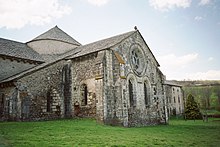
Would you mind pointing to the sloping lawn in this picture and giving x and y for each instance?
(86, 132)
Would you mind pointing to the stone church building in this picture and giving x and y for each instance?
(115, 80)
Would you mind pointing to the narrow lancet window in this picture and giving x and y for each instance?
(145, 94)
(49, 101)
(84, 95)
(131, 96)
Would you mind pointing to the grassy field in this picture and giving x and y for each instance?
(86, 132)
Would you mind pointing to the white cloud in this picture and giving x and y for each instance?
(210, 59)
(172, 61)
(165, 5)
(198, 18)
(209, 75)
(98, 2)
(174, 66)
(18, 13)
(204, 2)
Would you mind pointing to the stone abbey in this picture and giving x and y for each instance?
(116, 80)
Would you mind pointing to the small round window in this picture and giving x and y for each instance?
(137, 59)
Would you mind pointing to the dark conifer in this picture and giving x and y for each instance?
(192, 110)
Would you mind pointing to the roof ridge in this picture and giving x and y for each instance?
(12, 40)
(67, 34)
(112, 37)
(56, 33)
(102, 44)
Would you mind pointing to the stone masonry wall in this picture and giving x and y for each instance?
(41, 93)
(87, 72)
(110, 75)
(8, 104)
(175, 100)
(118, 107)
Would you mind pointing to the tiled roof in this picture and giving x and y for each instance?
(18, 50)
(172, 83)
(49, 57)
(102, 44)
(76, 52)
(36, 68)
(56, 33)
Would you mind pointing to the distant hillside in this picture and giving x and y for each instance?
(206, 93)
(198, 83)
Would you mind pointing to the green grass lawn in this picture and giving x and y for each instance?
(86, 132)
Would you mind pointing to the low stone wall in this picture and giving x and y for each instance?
(137, 117)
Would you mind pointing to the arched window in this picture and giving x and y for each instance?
(131, 91)
(146, 95)
(84, 93)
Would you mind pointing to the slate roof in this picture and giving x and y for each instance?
(101, 45)
(56, 33)
(172, 83)
(36, 68)
(49, 57)
(18, 50)
(105, 44)
(77, 52)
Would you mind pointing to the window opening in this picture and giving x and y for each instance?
(145, 94)
(131, 97)
(49, 101)
(84, 92)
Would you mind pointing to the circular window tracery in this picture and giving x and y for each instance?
(137, 59)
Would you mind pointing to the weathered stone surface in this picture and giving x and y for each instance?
(119, 85)
(119, 109)
(174, 98)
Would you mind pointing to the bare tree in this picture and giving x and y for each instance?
(217, 92)
(206, 94)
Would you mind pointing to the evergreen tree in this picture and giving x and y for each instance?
(192, 110)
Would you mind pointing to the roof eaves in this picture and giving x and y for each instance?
(77, 55)
(36, 68)
(24, 59)
(172, 84)
(19, 50)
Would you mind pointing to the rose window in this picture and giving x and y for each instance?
(137, 59)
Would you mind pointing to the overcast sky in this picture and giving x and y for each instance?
(184, 35)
